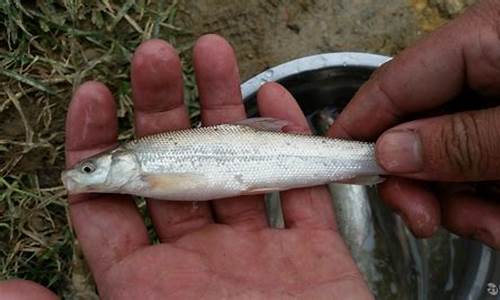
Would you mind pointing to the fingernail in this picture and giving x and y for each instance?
(400, 151)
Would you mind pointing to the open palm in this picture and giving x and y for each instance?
(212, 250)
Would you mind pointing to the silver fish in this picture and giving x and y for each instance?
(250, 157)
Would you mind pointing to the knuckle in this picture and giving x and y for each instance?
(485, 10)
(483, 53)
(388, 101)
(462, 144)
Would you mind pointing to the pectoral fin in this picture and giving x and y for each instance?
(176, 181)
(266, 124)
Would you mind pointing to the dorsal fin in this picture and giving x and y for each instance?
(267, 124)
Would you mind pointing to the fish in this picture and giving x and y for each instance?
(250, 157)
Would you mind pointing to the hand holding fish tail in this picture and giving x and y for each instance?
(446, 163)
(214, 249)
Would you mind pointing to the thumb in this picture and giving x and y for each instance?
(460, 147)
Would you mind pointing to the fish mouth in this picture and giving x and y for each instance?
(69, 183)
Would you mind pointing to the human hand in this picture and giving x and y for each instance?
(218, 249)
(17, 289)
(463, 148)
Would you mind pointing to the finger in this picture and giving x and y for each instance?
(18, 289)
(108, 227)
(414, 202)
(302, 208)
(459, 147)
(218, 79)
(159, 106)
(218, 84)
(465, 51)
(467, 214)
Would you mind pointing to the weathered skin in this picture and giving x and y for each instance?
(222, 161)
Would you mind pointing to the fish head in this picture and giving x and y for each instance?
(104, 173)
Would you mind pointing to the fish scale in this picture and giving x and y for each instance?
(247, 160)
(229, 160)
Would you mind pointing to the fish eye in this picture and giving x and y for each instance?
(87, 168)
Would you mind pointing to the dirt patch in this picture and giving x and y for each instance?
(266, 33)
(434, 13)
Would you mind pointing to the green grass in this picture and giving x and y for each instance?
(46, 51)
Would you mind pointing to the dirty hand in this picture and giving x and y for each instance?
(463, 147)
(210, 250)
(18, 289)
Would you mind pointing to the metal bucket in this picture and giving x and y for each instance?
(395, 264)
